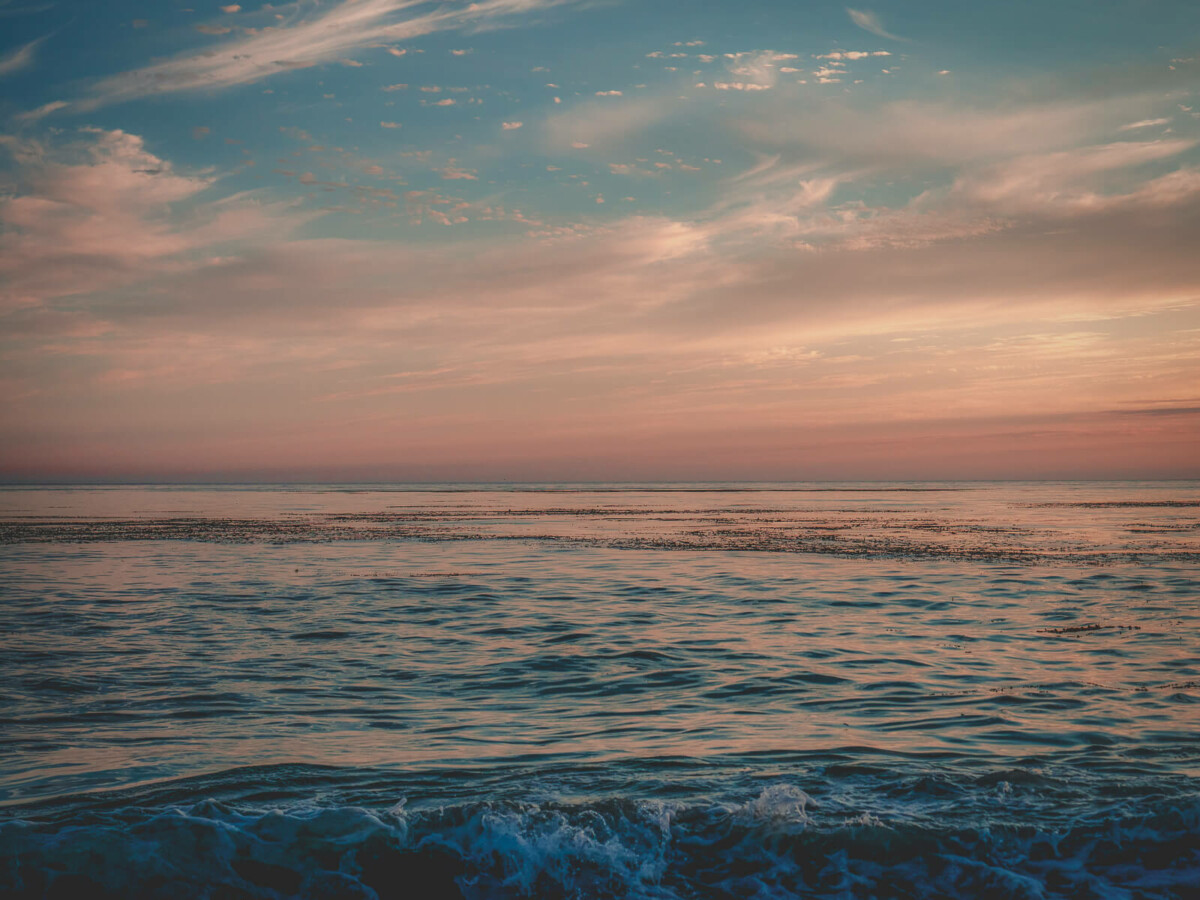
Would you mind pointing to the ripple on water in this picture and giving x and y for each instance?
(574, 707)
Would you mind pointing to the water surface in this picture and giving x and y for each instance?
(723, 690)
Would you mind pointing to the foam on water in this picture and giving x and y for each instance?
(778, 843)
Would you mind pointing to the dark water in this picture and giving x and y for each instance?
(892, 691)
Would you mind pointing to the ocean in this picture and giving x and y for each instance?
(601, 691)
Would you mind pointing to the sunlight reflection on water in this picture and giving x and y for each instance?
(128, 659)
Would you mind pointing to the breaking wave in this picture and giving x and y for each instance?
(778, 843)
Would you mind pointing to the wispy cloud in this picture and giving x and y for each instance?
(326, 37)
(97, 214)
(42, 111)
(19, 59)
(1144, 123)
(869, 21)
(913, 132)
(1072, 181)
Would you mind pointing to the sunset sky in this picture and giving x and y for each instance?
(591, 239)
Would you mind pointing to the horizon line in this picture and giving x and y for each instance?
(597, 483)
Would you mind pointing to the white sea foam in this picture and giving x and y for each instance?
(605, 849)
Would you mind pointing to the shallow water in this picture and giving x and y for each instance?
(889, 690)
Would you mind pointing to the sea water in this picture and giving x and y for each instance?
(667, 691)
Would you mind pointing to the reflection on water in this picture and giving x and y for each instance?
(564, 646)
(1084, 522)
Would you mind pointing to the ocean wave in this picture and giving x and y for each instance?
(777, 843)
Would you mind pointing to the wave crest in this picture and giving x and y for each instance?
(769, 846)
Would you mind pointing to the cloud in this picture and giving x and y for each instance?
(42, 111)
(97, 214)
(326, 36)
(21, 58)
(456, 173)
(785, 199)
(511, 126)
(1072, 181)
(1144, 123)
(645, 320)
(852, 54)
(643, 326)
(757, 68)
(771, 202)
(910, 132)
(984, 171)
(739, 86)
(869, 21)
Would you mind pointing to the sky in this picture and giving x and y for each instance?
(587, 240)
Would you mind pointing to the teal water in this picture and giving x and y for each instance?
(577, 691)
